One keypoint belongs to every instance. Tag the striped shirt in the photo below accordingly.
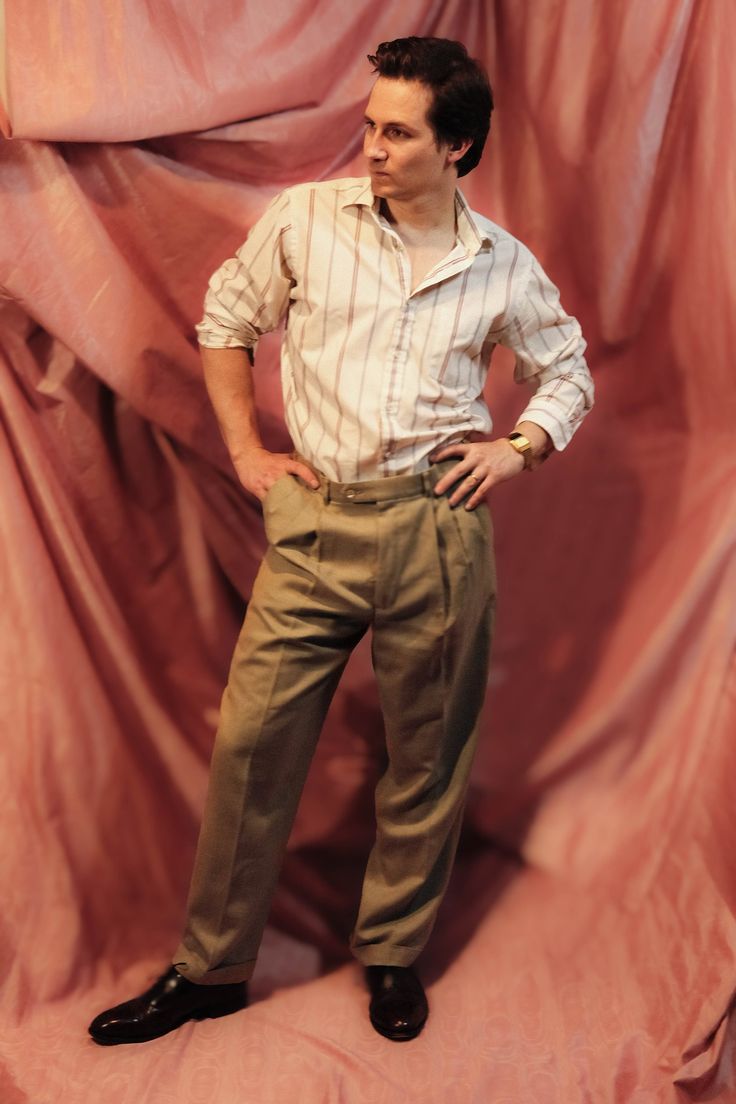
(376, 375)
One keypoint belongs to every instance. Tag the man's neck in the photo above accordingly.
(427, 216)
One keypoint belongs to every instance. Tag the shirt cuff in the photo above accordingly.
(559, 431)
(210, 341)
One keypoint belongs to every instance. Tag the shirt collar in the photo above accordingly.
(469, 233)
(363, 198)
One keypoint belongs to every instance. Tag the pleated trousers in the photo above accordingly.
(391, 556)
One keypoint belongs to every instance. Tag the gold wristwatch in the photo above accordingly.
(523, 446)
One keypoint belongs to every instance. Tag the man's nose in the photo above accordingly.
(373, 148)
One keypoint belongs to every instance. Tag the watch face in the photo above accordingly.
(523, 446)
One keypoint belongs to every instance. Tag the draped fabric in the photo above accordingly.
(586, 949)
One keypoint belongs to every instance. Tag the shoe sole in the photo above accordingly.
(209, 1014)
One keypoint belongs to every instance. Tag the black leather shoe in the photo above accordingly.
(170, 1002)
(398, 1008)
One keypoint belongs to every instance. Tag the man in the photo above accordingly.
(394, 295)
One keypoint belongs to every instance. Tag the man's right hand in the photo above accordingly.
(258, 469)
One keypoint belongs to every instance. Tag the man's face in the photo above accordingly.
(404, 158)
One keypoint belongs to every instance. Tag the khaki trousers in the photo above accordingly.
(385, 554)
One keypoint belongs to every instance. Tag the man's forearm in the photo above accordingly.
(228, 377)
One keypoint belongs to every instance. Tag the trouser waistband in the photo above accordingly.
(386, 489)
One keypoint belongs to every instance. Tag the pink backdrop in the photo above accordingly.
(586, 949)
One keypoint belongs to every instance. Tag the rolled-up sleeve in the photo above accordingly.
(548, 346)
(249, 294)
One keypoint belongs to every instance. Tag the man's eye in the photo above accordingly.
(396, 133)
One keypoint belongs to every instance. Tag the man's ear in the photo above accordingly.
(457, 150)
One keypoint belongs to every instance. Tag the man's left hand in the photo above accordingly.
(483, 464)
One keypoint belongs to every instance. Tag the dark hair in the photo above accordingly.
(462, 97)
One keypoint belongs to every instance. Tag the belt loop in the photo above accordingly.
(326, 490)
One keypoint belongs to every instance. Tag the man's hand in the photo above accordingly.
(258, 469)
(483, 464)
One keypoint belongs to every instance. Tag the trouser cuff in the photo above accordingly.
(221, 975)
(378, 955)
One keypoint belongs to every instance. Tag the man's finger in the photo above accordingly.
(466, 487)
(448, 450)
(304, 473)
(477, 497)
(454, 475)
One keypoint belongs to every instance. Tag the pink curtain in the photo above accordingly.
(586, 950)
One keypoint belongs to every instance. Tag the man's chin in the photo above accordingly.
(381, 182)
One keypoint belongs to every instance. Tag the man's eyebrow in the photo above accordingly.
(394, 123)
